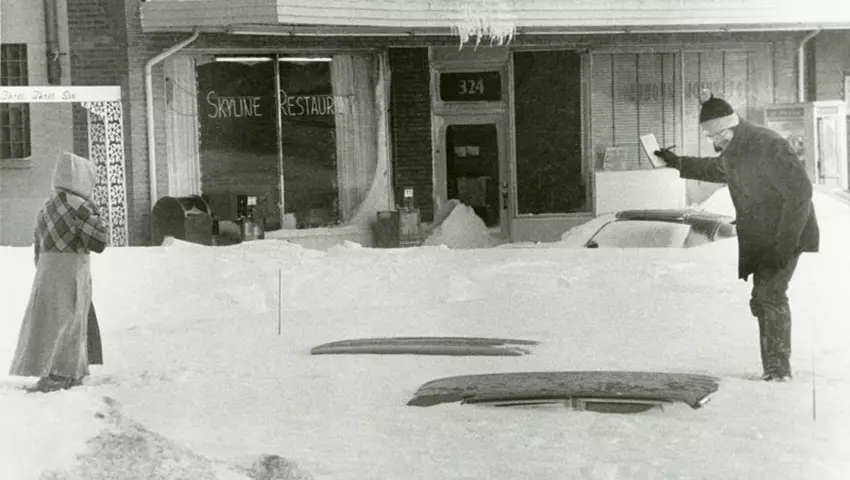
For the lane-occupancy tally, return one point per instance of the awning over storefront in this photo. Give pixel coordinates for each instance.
(442, 17)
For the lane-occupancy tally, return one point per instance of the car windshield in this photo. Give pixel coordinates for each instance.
(646, 234)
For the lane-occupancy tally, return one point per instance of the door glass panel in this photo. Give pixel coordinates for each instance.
(472, 168)
(548, 118)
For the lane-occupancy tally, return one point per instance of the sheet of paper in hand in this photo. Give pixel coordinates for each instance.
(650, 144)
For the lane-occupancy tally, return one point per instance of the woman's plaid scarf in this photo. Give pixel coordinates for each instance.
(62, 228)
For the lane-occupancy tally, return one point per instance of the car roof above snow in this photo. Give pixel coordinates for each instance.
(673, 215)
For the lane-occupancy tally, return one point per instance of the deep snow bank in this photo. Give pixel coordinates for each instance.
(94, 440)
(458, 226)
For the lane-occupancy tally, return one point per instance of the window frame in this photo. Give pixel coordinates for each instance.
(23, 109)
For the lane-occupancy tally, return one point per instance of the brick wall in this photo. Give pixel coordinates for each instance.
(785, 70)
(108, 48)
(410, 111)
(831, 63)
(26, 183)
(98, 53)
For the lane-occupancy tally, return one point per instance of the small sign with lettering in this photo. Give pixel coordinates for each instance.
(52, 94)
(471, 87)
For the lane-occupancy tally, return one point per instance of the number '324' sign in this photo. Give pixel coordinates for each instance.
(470, 87)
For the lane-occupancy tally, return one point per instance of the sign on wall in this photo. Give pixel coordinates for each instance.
(470, 87)
(50, 94)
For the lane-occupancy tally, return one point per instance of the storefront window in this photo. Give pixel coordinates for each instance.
(297, 134)
(238, 142)
(548, 121)
(632, 95)
(308, 143)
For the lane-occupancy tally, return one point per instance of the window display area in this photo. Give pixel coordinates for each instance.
(287, 142)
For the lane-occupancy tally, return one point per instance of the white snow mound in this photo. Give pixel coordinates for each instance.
(461, 229)
(126, 450)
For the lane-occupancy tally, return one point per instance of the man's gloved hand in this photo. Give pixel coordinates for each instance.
(668, 156)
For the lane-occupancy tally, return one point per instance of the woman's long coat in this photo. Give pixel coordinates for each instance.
(54, 334)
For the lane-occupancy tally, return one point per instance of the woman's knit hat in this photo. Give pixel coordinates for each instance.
(715, 114)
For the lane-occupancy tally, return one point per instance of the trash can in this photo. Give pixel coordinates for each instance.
(387, 229)
(184, 218)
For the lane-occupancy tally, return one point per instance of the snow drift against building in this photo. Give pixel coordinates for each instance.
(458, 226)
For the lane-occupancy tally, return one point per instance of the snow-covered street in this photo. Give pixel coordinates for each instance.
(193, 352)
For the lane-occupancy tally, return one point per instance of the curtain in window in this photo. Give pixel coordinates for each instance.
(354, 76)
(181, 124)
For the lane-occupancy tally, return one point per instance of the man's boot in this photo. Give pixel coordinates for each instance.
(776, 342)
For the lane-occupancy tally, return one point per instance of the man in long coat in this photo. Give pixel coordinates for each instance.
(776, 220)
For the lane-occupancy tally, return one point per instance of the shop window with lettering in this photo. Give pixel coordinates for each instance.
(297, 133)
(632, 95)
(238, 142)
(14, 117)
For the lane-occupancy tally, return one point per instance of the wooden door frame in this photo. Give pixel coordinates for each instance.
(441, 123)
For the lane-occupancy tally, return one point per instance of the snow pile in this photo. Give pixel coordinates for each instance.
(461, 229)
(831, 214)
(43, 432)
(114, 447)
(719, 202)
(208, 352)
(172, 242)
(826, 206)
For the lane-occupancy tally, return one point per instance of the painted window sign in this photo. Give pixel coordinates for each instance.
(220, 106)
(306, 105)
(232, 107)
(470, 87)
(658, 91)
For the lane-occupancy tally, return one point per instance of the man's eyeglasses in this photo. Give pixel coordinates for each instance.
(714, 137)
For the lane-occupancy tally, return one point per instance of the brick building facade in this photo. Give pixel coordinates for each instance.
(103, 43)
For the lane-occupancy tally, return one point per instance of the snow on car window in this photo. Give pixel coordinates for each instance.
(641, 234)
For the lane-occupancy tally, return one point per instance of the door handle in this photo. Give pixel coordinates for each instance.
(505, 196)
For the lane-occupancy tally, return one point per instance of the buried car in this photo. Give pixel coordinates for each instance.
(646, 228)
(660, 228)
(712, 220)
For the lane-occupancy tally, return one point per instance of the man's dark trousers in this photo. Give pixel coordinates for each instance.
(769, 303)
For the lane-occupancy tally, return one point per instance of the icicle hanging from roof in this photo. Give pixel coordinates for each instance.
(478, 19)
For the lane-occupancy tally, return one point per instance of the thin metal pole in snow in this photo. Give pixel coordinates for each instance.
(814, 347)
(279, 297)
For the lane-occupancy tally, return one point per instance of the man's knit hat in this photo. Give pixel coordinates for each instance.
(715, 114)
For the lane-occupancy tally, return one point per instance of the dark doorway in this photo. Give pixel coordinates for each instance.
(472, 168)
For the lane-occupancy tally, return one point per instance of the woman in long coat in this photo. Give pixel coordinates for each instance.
(53, 342)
